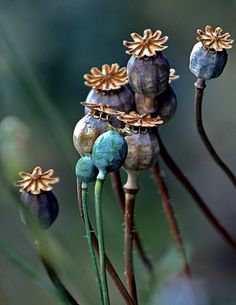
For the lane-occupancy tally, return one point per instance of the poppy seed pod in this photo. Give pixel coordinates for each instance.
(86, 132)
(120, 99)
(43, 207)
(207, 64)
(85, 170)
(148, 76)
(143, 151)
(167, 104)
(109, 152)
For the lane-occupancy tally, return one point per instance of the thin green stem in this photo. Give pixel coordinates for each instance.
(90, 244)
(199, 89)
(101, 243)
(63, 292)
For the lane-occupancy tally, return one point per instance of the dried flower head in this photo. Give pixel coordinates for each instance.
(108, 78)
(100, 108)
(214, 40)
(147, 45)
(37, 181)
(144, 120)
(172, 75)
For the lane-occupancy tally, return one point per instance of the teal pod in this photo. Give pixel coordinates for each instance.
(86, 170)
(109, 152)
(207, 64)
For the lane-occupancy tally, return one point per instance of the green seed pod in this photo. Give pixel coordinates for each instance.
(109, 152)
(148, 76)
(85, 170)
(86, 132)
(43, 207)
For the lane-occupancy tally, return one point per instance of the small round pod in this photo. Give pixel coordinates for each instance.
(167, 104)
(85, 170)
(150, 76)
(44, 207)
(208, 57)
(37, 195)
(143, 147)
(109, 152)
(109, 88)
(86, 132)
(206, 64)
(148, 68)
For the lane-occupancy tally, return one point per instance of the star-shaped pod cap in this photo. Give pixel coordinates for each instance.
(136, 120)
(214, 39)
(100, 109)
(36, 182)
(108, 78)
(146, 45)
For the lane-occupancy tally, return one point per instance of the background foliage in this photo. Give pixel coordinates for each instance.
(45, 48)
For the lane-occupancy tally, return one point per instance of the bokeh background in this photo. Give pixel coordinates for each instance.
(45, 48)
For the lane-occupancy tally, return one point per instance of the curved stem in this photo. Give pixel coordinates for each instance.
(128, 243)
(90, 244)
(199, 89)
(120, 197)
(120, 286)
(64, 293)
(171, 218)
(101, 243)
(194, 194)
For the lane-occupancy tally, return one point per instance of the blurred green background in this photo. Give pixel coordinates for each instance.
(45, 48)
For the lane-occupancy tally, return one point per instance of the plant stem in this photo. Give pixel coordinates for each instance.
(120, 286)
(120, 197)
(199, 89)
(90, 244)
(171, 218)
(128, 242)
(194, 194)
(101, 243)
(63, 292)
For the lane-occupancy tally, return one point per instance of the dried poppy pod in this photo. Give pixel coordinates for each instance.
(90, 127)
(109, 87)
(208, 57)
(148, 68)
(143, 147)
(37, 196)
(164, 105)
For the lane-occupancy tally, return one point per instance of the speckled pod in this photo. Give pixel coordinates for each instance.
(148, 77)
(43, 206)
(207, 64)
(143, 151)
(109, 151)
(86, 132)
(85, 170)
(121, 99)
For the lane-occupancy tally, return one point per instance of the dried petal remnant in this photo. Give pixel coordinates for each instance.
(144, 120)
(108, 78)
(37, 181)
(146, 45)
(215, 40)
(173, 75)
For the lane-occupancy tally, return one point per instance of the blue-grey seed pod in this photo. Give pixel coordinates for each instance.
(86, 132)
(85, 170)
(205, 63)
(44, 207)
(148, 76)
(109, 151)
